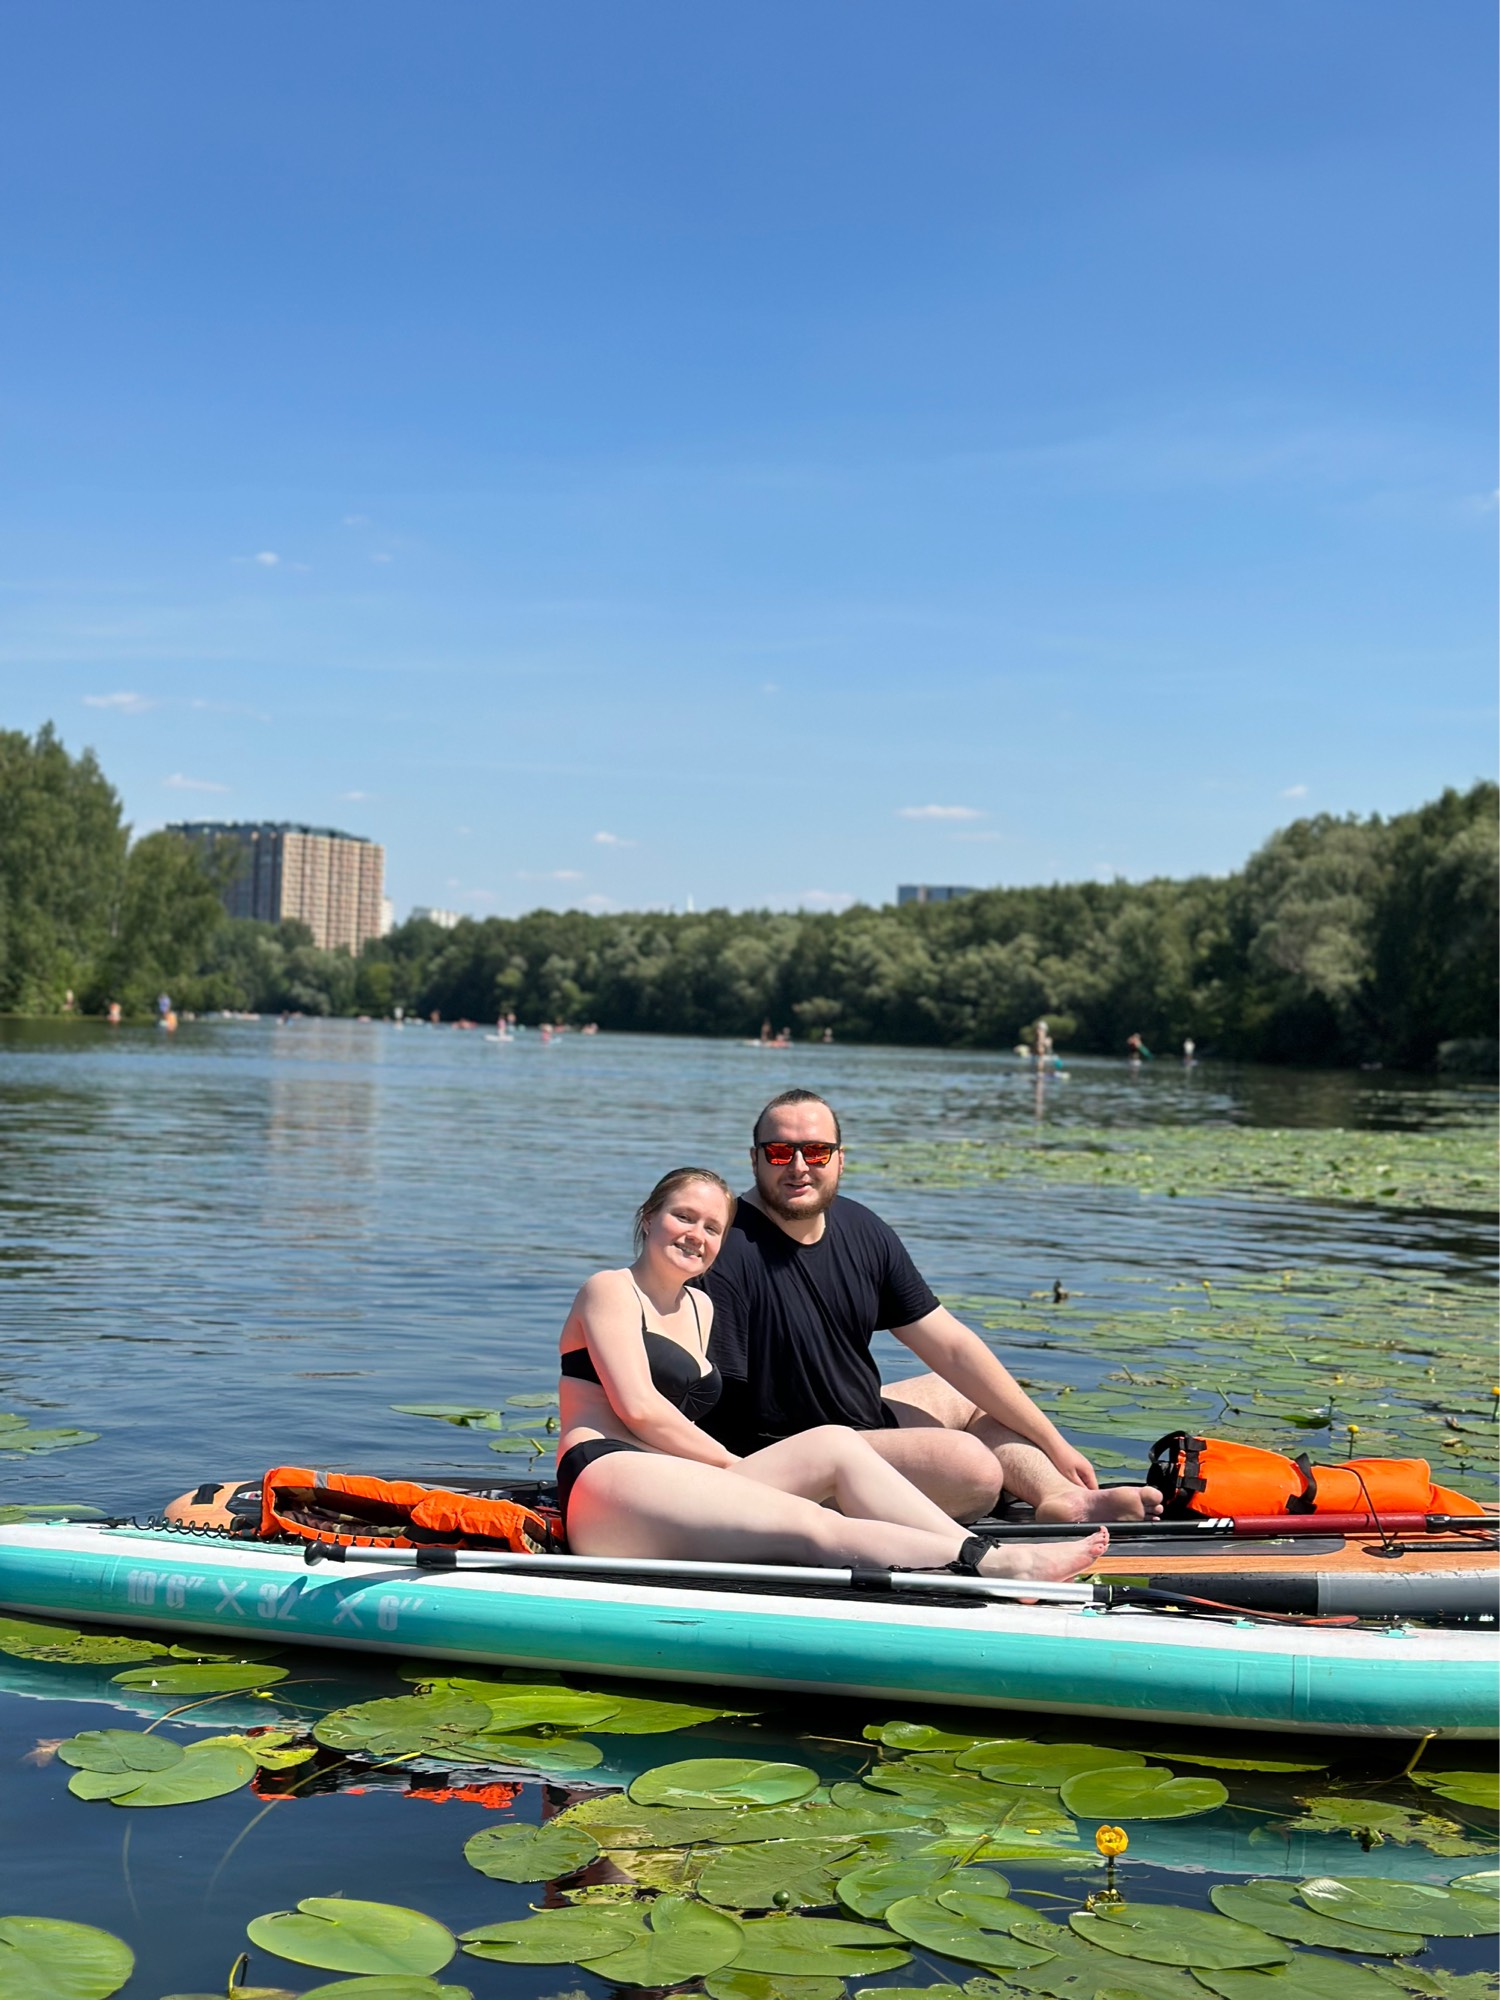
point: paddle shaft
(1257, 1526)
(879, 1582)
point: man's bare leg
(927, 1404)
(956, 1471)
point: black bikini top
(674, 1372)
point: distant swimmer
(1189, 1051)
(1137, 1049)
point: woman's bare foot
(1111, 1503)
(1045, 1562)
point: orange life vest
(1213, 1476)
(349, 1510)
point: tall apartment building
(332, 882)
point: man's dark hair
(798, 1097)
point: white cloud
(600, 905)
(549, 875)
(938, 812)
(380, 556)
(612, 840)
(356, 521)
(1295, 792)
(354, 797)
(825, 899)
(125, 704)
(178, 783)
(268, 559)
(770, 687)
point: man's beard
(822, 1198)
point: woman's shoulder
(605, 1288)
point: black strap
(1305, 1502)
(970, 1556)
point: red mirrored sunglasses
(780, 1152)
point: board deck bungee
(1068, 1658)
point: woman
(637, 1477)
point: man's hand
(1072, 1464)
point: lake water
(241, 1245)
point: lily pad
(46, 1510)
(1438, 1983)
(1150, 1792)
(1372, 1823)
(42, 1958)
(870, 1889)
(614, 1821)
(1014, 1761)
(723, 1781)
(343, 1935)
(680, 1940)
(538, 1751)
(732, 1984)
(956, 1934)
(636, 1715)
(551, 1708)
(1306, 1978)
(1081, 1970)
(448, 1413)
(1031, 1828)
(819, 1945)
(1465, 1788)
(1165, 1935)
(1378, 1903)
(1276, 1908)
(403, 1725)
(379, 1986)
(212, 1679)
(31, 1443)
(119, 1750)
(207, 1770)
(1214, 1763)
(529, 1853)
(915, 1736)
(26, 1639)
(555, 1937)
(776, 1874)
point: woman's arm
(609, 1313)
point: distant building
(387, 916)
(446, 920)
(931, 892)
(333, 882)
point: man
(803, 1282)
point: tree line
(1341, 940)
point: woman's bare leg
(646, 1504)
(835, 1466)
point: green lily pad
(1465, 1788)
(937, 1926)
(1438, 1983)
(32, 1443)
(343, 1935)
(776, 1874)
(945, 1990)
(818, 1945)
(119, 1750)
(1150, 1792)
(1276, 1908)
(870, 1889)
(1372, 1823)
(1029, 1828)
(551, 1708)
(403, 1725)
(1014, 1761)
(636, 1715)
(1486, 1881)
(534, 1399)
(555, 1937)
(924, 1791)
(1193, 1755)
(732, 1984)
(213, 1679)
(1081, 1970)
(681, 1940)
(529, 1853)
(1381, 1904)
(1164, 1935)
(207, 1770)
(42, 1958)
(379, 1986)
(915, 1736)
(26, 1639)
(1306, 1978)
(722, 1781)
(448, 1413)
(540, 1751)
(614, 1822)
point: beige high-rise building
(332, 882)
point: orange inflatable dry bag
(1215, 1476)
(348, 1510)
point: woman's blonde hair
(666, 1187)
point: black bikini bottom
(577, 1456)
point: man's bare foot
(1112, 1503)
(1045, 1562)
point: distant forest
(1340, 941)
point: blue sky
(614, 455)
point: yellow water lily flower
(1111, 1840)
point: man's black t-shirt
(793, 1323)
